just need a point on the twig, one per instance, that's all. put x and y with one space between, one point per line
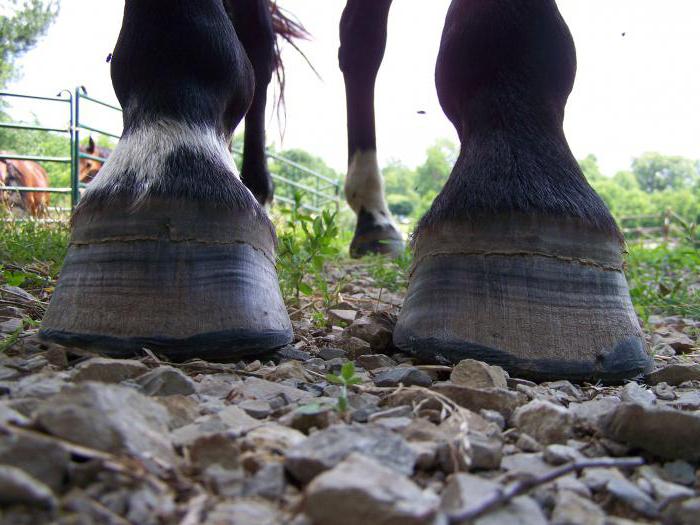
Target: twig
194 510
503 496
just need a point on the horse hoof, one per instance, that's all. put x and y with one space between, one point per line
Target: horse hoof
545 299
374 238
183 279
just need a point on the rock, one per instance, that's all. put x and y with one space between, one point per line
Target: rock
10 326
588 413
215 449
527 443
330 352
273 439
464 491
244 512
107 370
402 375
231 421
110 418
359 488
526 464
375 330
42 385
217 385
273 393
680 472
546 422
663 350
665 392
571 509
475 399
668 433
290 352
268 482
9 415
560 454
354 345
374 361
476 374
674 374
494 417
183 410
342 317
633 393
426 454
18 487
628 493
683 512
256 408
664 491
289 370
326 448
486 452
40 457
166 381
314 415
680 342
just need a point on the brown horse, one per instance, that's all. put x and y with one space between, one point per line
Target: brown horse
89 168
24 173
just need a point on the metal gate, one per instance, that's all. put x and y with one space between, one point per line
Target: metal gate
325 190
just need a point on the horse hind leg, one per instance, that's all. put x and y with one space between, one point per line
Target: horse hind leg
362 42
253 24
169 250
518 262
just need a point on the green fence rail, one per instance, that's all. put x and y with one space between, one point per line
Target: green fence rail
325 190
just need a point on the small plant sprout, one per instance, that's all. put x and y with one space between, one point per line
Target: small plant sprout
346 378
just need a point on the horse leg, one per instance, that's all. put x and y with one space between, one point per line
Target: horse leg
169 250
253 24
362 42
518 262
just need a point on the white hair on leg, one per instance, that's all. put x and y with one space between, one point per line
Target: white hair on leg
145 150
364 187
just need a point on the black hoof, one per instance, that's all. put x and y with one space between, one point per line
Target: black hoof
546 300
372 237
182 279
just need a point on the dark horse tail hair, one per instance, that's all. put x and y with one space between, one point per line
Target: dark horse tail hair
289 29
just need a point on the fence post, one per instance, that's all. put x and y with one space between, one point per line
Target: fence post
75 153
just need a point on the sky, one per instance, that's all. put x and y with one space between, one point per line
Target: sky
637 88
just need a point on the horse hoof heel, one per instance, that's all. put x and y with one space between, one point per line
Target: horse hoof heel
545 299
183 279
372 237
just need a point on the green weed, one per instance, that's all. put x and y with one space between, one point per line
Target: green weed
346 378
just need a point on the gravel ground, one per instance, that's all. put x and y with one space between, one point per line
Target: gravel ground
86 440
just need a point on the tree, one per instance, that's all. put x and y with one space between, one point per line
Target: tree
657 172
22 23
433 173
590 169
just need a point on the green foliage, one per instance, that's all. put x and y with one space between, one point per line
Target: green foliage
656 172
28 242
306 242
346 378
664 280
390 274
22 23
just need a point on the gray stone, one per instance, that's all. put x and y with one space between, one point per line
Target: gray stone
486 451
273 439
110 418
255 388
359 488
634 393
572 509
326 448
674 374
10 326
214 449
42 385
268 482
244 512
166 381
375 330
680 472
588 413
665 392
18 487
664 491
402 375
499 399
9 415
106 370
291 352
293 370
684 512
256 408
330 352
494 417
527 443
38 456
527 464
231 421
217 385
344 317
560 454
314 415
546 422
476 374
668 433
633 496
183 410
374 361
464 491
354 345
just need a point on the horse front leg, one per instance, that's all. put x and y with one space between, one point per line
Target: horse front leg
253 24
363 32
169 250
518 262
